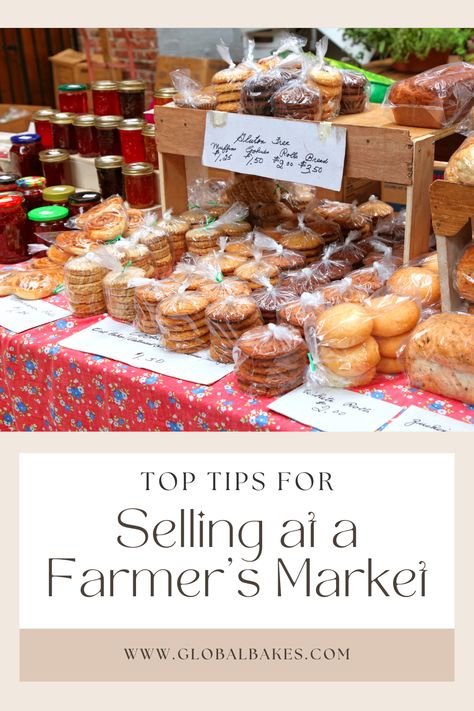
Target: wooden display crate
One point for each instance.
(377, 149)
(452, 209)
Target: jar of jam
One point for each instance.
(86, 135)
(131, 98)
(8, 181)
(55, 164)
(82, 201)
(58, 194)
(43, 127)
(47, 219)
(109, 173)
(32, 189)
(73, 98)
(108, 138)
(105, 98)
(160, 98)
(24, 154)
(139, 185)
(151, 152)
(14, 233)
(63, 131)
(131, 140)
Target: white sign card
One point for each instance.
(20, 315)
(417, 419)
(335, 410)
(299, 151)
(123, 342)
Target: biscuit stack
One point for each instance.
(305, 242)
(119, 296)
(229, 286)
(182, 323)
(270, 360)
(228, 320)
(271, 298)
(157, 243)
(253, 270)
(147, 298)
(298, 101)
(83, 284)
(136, 255)
(258, 90)
(175, 229)
(329, 83)
(202, 240)
(227, 86)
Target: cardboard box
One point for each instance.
(396, 194)
(70, 67)
(201, 69)
(359, 189)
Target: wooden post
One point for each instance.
(449, 251)
(173, 186)
(418, 219)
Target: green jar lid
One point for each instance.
(48, 214)
(58, 192)
(72, 87)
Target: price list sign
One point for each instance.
(298, 151)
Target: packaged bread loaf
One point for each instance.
(464, 274)
(228, 318)
(460, 168)
(182, 323)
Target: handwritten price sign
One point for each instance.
(299, 151)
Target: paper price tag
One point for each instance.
(416, 419)
(19, 315)
(299, 151)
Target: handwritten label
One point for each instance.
(124, 343)
(299, 151)
(416, 419)
(19, 315)
(335, 410)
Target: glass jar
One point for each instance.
(32, 190)
(24, 154)
(105, 98)
(131, 140)
(131, 98)
(151, 152)
(8, 181)
(43, 127)
(47, 219)
(86, 135)
(82, 201)
(58, 194)
(109, 174)
(164, 96)
(108, 138)
(139, 185)
(55, 164)
(14, 233)
(63, 131)
(73, 98)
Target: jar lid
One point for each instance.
(165, 92)
(32, 181)
(84, 196)
(107, 121)
(24, 138)
(109, 162)
(63, 117)
(48, 213)
(9, 201)
(43, 114)
(84, 120)
(8, 178)
(72, 87)
(138, 169)
(53, 155)
(131, 85)
(58, 192)
(149, 130)
(104, 85)
(132, 124)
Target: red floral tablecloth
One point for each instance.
(46, 387)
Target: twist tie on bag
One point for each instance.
(209, 222)
(127, 265)
(311, 362)
(263, 242)
(58, 289)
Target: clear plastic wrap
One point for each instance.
(255, 269)
(349, 250)
(156, 241)
(275, 253)
(306, 279)
(252, 188)
(83, 277)
(133, 253)
(295, 312)
(148, 293)
(297, 196)
(202, 240)
(270, 360)
(373, 278)
(304, 241)
(241, 246)
(271, 297)
(392, 226)
(182, 323)
(460, 168)
(433, 99)
(36, 284)
(346, 215)
(228, 318)
(257, 92)
(393, 314)
(343, 291)
(227, 83)
(190, 94)
(417, 282)
(289, 52)
(299, 99)
(228, 286)
(270, 214)
(463, 276)
(355, 92)
(104, 222)
(175, 229)
(328, 81)
(223, 263)
(208, 194)
(381, 252)
(376, 209)
(330, 268)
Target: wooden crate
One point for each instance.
(377, 149)
(452, 209)
(202, 69)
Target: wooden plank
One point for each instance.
(418, 218)
(451, 206)
(449, 250)
(173, 188)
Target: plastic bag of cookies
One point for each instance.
(252, 188)
(270, 297)
(355, 92)
(83, 281)
(299, 99)
(257, 92)
(344, 291)
(304, 241)
(349, 250)
(182, 323)
(228, 319)
(346, 215)
(190, 94)
(227, 83)
(254, 269)
(328, 81)
(329, 267)
(275, 253)
(223, 263)
(295, 312)
(306, 279)
(147, 295)
(156, 241)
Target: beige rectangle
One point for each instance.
(195, 655)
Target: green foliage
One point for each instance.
(399, 43)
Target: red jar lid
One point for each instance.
(9, 201)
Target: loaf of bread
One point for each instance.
(440, 356)
(436, 98)
(460, 168)
(464, 274)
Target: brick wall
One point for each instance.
(145, 48)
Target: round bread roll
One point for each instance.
(431, 262)
(417, 282)
(393, 314)
(350, 362)
(344, 325)
(359, 381)
(390, 366)
(392, 346)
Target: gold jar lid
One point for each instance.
(43, 114)
(104, 85)
(53, 155)
(138, 169)
(166, 92)
(131, 85)
(149, 130)
(109, 162)
(63, 117)
(58, 192)
(132, 124)
(107, 121)
(84, 120)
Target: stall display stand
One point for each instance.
(452, 209)
(377, 149)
